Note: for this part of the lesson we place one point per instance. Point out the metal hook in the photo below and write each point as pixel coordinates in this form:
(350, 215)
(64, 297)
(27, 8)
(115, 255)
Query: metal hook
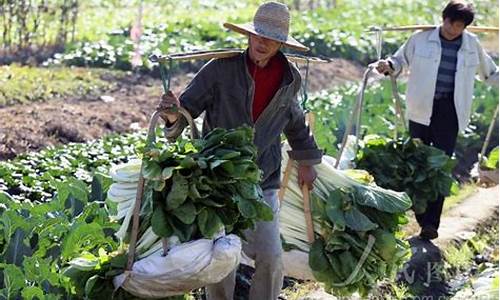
(304, 86)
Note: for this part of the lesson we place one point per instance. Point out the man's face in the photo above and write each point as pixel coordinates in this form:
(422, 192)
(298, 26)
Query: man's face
(452, 30)
(262, 49)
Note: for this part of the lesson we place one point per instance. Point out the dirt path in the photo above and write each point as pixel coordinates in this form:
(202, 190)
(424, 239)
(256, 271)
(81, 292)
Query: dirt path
(459, 223)
(37, 125)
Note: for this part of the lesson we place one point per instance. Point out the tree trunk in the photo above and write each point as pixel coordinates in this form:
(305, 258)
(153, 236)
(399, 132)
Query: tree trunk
(74, 19)
(63, 20)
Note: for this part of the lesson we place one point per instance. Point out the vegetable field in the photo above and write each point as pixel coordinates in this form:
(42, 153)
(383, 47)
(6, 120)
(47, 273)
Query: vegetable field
(77, 90)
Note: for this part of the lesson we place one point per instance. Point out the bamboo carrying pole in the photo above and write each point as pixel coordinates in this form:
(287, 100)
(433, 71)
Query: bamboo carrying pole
(284, 182)
(305, 192)
(305, 196)
(230, 52)
(429, 27)
(488, 136)
(286, 177)
(307, 213)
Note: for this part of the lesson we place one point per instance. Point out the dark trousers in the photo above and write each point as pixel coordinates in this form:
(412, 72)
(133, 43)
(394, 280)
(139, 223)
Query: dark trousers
(441, 133)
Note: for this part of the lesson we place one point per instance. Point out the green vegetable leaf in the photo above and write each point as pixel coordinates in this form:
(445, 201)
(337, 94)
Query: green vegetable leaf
(151, 170)
(209, 223)
(492, 162)
(264, 211)
(317, 258)
(186, 212)
(178, 192)
(159, 223)
(357, 221)
(246, 207)
(32, 292)
(188, 163)
(167, 172)
(249, 190)
(334, 210)
(89, 285)
(159, 185)
(83, 237)
(13, 279)
(214, 164)
(385, 243)
(382, 199)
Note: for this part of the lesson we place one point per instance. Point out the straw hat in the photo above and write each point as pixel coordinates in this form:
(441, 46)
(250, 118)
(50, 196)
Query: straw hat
(272, 21)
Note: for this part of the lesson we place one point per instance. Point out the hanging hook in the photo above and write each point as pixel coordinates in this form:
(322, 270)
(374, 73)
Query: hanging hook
(378, 40)
(165, 73)
(304, 86)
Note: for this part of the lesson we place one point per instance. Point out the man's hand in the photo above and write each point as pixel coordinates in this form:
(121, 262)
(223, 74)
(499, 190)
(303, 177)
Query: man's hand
(168, 101)
(383, 67)
(307, 175)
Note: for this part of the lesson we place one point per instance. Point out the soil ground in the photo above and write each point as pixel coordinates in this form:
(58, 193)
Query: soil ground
(34, 126)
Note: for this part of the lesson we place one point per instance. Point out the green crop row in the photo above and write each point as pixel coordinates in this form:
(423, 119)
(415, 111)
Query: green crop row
(339, 32)
(34, 176)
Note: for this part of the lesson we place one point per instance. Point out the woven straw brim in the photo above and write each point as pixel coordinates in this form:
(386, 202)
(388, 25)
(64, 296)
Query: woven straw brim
(249, 28)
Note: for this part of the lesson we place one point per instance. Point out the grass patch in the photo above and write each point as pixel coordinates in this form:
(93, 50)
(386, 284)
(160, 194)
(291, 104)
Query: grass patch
(495, 284)
(23, 84)
(459, 258)
(300, 291)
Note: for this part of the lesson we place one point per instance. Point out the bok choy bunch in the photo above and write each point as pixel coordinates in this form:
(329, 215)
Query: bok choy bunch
(194, 189)
(408, 165)
(356, 226)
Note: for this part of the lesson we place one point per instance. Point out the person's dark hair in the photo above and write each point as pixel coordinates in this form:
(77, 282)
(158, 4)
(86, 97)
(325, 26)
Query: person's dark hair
(459, 10)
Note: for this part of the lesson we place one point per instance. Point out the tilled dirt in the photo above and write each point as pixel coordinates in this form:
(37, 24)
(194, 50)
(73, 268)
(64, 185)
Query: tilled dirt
(31, 127)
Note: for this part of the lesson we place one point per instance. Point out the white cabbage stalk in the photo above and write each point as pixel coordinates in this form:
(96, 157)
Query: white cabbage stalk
(123, 191)
(122, 232)
(119, 191)
(147, 239)
(128, 172)
(123, 208)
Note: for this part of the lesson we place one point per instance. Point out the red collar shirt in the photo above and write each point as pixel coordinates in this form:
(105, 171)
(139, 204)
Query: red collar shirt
(267, 81)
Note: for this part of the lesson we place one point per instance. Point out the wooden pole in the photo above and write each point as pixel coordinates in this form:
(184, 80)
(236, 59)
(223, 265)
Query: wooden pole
(429, 27)
(488, 136)
(307, 214)
(286, 178)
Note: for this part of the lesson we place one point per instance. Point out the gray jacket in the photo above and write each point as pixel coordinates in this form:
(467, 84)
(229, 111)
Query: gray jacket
(224, 90)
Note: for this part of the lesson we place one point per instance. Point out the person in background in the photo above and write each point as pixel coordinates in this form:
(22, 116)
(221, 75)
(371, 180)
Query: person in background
(443, 64)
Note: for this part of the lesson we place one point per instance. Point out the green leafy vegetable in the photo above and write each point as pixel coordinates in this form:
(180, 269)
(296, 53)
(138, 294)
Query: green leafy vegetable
(407, 165)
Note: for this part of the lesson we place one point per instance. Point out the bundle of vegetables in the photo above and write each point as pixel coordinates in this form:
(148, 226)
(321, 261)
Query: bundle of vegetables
(408, 165)
(356, 226)
(194, 189)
